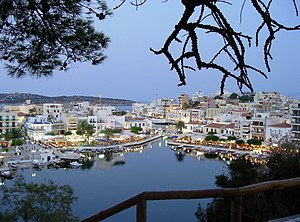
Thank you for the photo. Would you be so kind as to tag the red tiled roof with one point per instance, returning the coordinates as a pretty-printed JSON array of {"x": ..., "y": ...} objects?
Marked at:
[
  {"x": 21, "y": 114},
  {"x": 216, "y": 125},
  {"x": 281, "y": 125},
  {"x": 247, "y": 114},
  {"x": 194, "y": 122},
  {"x": 231, "y": 125}
]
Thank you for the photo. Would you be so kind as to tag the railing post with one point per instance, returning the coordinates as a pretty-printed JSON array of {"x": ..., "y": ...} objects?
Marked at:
[
  {"x": 236, "y": 209},
  {"x": 141, "y": 211}
]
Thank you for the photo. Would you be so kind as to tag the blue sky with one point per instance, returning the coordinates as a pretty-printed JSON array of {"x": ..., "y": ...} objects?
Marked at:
[{"x": 133, "y": 72}]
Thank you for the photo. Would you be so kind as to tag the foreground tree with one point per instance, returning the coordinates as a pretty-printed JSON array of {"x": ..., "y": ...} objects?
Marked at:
[
  {"x": 261, "y": 206},
  {"x": 37, "y": 202},
  {"x": 38, "y": 36}
]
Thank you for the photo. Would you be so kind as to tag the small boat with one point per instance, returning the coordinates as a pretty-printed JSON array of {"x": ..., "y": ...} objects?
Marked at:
[
  {"x": 36, "y": 163},
  {"x": 13, "y": 165},
  {"x": 6, "y": 174},
  {"x": 75, "y": 164}
]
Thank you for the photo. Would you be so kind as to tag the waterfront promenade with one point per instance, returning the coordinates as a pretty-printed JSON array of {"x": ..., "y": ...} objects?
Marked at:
[{"x": 26, "y": 154}]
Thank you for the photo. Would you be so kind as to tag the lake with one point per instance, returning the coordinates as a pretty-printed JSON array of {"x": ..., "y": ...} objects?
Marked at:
[{"x": 154, "y": 168}]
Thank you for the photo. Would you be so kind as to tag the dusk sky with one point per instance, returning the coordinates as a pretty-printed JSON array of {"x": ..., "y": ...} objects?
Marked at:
[{"x": 133, "y": 72}]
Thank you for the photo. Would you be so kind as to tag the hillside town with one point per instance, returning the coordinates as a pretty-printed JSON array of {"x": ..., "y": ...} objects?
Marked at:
[
  {"x": 268, "y": 117},
  {"x": 247, "y": 122}
]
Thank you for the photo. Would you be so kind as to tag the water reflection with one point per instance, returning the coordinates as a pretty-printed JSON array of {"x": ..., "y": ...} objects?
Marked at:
[
  {"x": 105, "y": 180},
  {"x": 179, "y": 155}
]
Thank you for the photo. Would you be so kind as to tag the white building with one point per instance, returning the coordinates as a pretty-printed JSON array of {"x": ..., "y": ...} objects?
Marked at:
[
  {"x": 52, "y": 110},
  {"x": 276, "y": 132},
  {"x": 296, "y": 122},
  {"x": 8, "y": 121},
  {"x": 145, "y": 124},
  {"x": 37, "y": 127}
]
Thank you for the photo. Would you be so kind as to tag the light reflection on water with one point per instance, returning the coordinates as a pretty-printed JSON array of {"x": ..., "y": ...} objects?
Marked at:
[{"x": 107, "y": 182}]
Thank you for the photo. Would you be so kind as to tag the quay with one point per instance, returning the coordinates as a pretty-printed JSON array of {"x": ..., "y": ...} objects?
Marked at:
[
  {"x": 28, "y": 155},
  {"x": 224, "y": 152}
]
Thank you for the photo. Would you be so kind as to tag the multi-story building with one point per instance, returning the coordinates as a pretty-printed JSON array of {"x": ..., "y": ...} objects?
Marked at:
[
  {"x": 174, "y": 114},
  {"x": 31, "y": 109},
  {"x": 52, "y": 110},
  {"x": 37, "y": 127},
  {"x": 145, "y": 124},
  {"x": 275, "y": 133},
  {"x": 197, "y": 96},
  {"x": 296, "y": 122},
  {"x": 197, "y": 115},
  {"x": 70, "y": 121},
  {"x": 219, "y": 128},
  {"x": 185, "y": 115},
  {"x": 8, "y": 121},
  {"x": 243, "y": 126},
  {"x": 183, "y": 100}
]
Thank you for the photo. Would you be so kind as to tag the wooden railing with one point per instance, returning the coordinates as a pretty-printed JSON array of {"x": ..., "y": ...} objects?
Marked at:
[{"x": 236, "y": 194}]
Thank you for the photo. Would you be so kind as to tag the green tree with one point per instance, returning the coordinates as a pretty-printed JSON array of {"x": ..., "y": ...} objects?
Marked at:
[
  {"x": 240, "y": 142},
  {"x": 180, "y": 125},
  {"x": 17, "y": 142},
  {"x": 37, "y": 202},
  {"x": 50, "y": 134},
  {"x": 211, "y": 137},
  {"x": 17, "y": 133},
  {"x": 84, "y": 128},
  {"x": 68, "y": 133},
  {"x": 38, "y": 36},
  {"x": 254, "y": 142},
  {"x": 229, "y": 138},
  {"x": 32, "y": 111},
  {"x": 261, "y": 206},
  {"x": 108, "y": 132},
  {"x": 136, "y": 129},
  {"x": 218, "y": 97},
  {"x": 234, "y": 96},
  {"x": 245, "y": 98},
  {"x": 8, "y": 135}
]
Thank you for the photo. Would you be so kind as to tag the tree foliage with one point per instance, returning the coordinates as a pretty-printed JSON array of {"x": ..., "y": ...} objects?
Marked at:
[
  {"x": 136, "y": 129},
  {"x": 261, "y": 206},
  {"x": 37, "y": 202},
  {"x": 254, "y": 142},
  {"x": 180, "y": 125},
  {"x": 84, "y": 128},
  {"x": 38, "y": 36},
  {"x": 211, "y": 137},
  {"x": 234, "y": 96}
]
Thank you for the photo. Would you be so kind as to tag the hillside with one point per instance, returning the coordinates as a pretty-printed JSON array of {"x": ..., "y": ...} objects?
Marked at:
[{"x": 20, "y": 98}]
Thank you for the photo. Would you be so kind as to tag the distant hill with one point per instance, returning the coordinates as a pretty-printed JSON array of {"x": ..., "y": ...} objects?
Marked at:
[{"x": 20, "y": 98}]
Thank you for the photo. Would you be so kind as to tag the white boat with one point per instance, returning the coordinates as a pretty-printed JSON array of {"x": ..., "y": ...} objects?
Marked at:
[
  {"x": 13, "y": 165},
  {"x": 6, "y": 174},
  {"x": 75, "y": 164},
  {"x": 37, "y": 163}
]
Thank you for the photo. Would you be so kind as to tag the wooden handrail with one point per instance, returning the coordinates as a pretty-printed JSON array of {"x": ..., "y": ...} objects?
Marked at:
[{"x": 140, "y": 199}]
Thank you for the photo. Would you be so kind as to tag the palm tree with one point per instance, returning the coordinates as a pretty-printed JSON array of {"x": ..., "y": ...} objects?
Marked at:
[
  {"x": 84, "y": 128},
  {"x": 180, "y": 125}
]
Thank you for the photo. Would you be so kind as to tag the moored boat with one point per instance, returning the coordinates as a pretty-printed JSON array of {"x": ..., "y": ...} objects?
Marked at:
[{"x": 75, "y": 164}]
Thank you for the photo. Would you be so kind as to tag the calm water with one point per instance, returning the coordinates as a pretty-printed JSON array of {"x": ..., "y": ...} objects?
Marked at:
[{"x": 155, "y": 168}]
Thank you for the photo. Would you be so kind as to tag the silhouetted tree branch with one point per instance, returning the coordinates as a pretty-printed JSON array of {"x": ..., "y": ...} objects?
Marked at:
[{"x": 206, "y": 17}]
